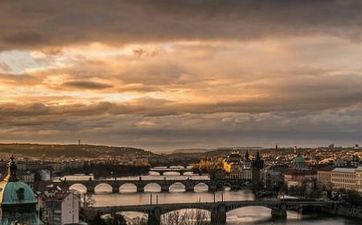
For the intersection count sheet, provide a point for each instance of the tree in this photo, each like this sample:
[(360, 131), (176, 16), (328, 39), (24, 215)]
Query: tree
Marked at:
[(350, 196), (97, 220), (86, 200)]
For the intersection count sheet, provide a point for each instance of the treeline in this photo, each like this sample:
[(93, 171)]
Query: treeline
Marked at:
[(70, 151), (188, 217)]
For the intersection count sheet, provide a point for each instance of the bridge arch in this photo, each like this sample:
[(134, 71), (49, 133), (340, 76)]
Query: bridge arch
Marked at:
[(223, 186), (201, 187), (78, 187), (152, 187), (172, 173), (183, 216), (177, 187), (249, 214), (103, 188), (128, 188), (130, 215), (188, 173), (142, 217), (154, 173)]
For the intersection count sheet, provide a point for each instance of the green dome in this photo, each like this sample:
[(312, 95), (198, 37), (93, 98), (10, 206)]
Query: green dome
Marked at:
[(299, 163), (299, 159), (16, 193), (17, 200)]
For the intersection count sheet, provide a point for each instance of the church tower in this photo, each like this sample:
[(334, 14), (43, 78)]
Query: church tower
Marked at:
[(17, 199), (257, 166)]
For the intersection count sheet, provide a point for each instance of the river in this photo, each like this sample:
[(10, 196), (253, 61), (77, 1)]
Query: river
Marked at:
[(243, 216)]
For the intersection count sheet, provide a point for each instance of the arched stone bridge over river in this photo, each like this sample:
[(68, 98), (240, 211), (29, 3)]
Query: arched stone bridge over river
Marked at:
[(165, 184), (217, 210)]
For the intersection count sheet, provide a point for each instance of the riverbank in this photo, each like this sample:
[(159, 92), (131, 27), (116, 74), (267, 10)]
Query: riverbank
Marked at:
[(347, 211)]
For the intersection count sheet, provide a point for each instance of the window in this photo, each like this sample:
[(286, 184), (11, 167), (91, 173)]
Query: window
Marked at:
[(20, 194)]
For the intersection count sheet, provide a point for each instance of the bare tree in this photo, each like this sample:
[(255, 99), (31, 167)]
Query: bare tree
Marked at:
[(86, 200), (190, 217)]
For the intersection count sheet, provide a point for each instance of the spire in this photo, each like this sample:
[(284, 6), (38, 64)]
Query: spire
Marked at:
[(247, 156), (258, 163), (11, 177)]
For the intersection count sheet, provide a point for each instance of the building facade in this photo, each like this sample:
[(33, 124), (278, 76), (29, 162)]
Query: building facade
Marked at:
[(237, 167), (344, 178), (299, 173), (274, 176), (324, 177), (60, 208)]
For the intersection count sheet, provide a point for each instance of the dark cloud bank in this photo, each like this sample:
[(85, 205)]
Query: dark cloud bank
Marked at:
[(39, 23)]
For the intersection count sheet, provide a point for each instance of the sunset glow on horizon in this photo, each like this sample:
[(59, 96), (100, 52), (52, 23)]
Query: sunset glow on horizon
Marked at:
[(171, 74)]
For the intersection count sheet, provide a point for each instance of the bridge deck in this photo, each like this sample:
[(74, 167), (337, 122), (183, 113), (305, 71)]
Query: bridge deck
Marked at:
[(209, 205)]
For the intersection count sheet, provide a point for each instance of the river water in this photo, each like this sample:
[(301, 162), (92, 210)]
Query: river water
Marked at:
[(243, 216)]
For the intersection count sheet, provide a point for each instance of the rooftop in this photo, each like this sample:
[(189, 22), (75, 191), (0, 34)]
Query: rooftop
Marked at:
[(344, 170)]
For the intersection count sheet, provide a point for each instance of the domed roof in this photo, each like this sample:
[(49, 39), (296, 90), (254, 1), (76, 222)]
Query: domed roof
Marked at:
[(16, 193), (13, 191), (299, 163), (299, 159)]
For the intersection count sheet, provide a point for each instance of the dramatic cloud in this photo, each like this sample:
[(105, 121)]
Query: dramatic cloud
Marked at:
[(167, 74), (42, 23), (86, 85)]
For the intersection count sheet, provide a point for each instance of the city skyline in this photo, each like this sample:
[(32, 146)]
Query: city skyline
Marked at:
[(165, 75)]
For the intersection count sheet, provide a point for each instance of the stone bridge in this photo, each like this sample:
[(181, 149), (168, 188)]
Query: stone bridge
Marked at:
[(161, 171), (165, 184), (217, 210)]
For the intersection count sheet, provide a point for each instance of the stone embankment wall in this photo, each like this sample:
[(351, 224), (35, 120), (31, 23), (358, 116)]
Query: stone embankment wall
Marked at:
[(346, 211)]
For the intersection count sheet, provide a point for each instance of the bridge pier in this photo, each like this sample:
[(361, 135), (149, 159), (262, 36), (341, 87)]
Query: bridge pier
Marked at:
[(140, 188), (154, 216), (235, 187), (218, 215), (90, 189), (165, 188), (115, 189), (212, 188), (189, 188), (279, 213)]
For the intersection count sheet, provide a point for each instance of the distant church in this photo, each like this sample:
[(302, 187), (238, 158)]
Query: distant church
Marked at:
[(238, 167), (18, 201)]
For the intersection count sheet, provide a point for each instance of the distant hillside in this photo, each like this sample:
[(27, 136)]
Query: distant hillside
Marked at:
[(222, 149), (88, 151), (226, 151), (190, 150)]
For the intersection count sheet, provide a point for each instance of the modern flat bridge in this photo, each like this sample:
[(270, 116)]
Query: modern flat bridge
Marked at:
[(217, 210), (165, 184)]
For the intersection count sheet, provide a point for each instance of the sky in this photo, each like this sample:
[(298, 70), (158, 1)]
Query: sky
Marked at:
[(170, 74)]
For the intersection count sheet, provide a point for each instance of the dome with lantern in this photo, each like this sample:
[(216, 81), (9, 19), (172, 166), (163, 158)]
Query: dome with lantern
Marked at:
[(18, 201)]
